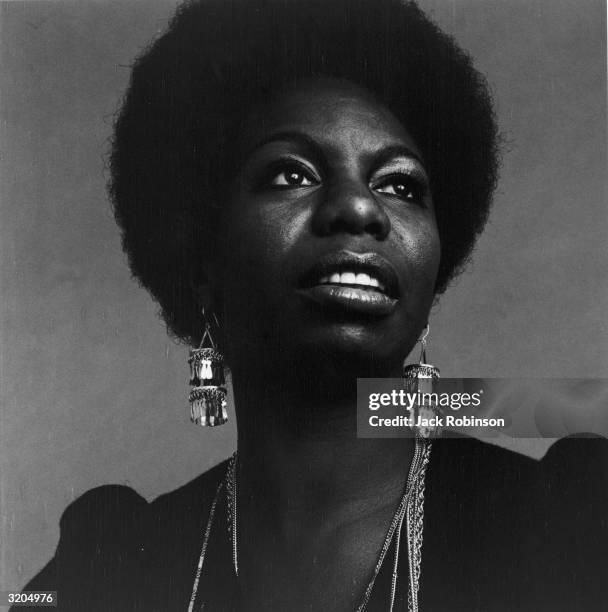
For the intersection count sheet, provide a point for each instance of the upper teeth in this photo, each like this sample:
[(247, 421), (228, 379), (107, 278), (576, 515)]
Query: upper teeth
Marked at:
[(351, 278)]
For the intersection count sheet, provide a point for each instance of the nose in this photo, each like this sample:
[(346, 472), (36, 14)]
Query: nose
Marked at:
[(350, 207)]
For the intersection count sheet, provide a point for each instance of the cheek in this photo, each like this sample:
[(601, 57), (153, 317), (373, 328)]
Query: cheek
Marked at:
[(419, 239), (255, 241), (430, 254)]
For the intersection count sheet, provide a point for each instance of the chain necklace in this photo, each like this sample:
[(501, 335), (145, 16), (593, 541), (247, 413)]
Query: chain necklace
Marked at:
[(410, 510)]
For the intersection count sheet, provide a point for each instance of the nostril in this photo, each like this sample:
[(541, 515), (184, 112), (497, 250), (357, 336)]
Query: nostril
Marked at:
[(339, 225), (375, 229)]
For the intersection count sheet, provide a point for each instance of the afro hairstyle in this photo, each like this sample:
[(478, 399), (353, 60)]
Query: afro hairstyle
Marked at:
[(194, 85)]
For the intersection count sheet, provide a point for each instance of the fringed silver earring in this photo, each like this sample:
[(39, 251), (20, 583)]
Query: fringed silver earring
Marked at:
[(208, 394), (420, 379)]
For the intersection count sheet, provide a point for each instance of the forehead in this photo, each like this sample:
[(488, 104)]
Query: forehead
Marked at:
[(335, 113)]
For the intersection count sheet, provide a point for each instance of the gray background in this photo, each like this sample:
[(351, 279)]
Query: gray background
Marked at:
[(94, 392)]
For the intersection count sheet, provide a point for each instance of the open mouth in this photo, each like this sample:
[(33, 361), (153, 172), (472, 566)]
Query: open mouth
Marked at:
[(353, 279), (364, 283)]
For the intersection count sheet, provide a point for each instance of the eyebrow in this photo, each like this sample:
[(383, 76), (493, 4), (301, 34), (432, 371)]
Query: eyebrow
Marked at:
[(392, 151), (300, 138), (385, 155)]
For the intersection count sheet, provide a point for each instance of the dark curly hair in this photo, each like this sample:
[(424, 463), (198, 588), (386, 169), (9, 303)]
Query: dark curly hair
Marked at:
[(195, 85)]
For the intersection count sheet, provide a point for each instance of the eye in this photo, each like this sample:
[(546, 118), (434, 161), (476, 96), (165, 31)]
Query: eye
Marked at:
[(291, 177), (402, 186), (290, 174)]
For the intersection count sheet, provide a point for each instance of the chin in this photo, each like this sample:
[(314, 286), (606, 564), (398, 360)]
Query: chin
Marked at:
[(350, 351)]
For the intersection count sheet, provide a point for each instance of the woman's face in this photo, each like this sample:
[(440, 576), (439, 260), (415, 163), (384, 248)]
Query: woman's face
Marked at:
[(329, 246)]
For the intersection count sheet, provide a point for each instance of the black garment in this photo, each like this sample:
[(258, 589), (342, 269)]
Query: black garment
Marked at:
[(502, 532)]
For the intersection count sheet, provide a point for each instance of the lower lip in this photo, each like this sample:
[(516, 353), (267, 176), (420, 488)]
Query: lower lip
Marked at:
[(363, 301)]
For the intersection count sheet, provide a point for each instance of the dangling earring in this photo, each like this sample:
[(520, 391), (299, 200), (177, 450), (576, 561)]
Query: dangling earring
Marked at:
[(420, 379), (208, 395)]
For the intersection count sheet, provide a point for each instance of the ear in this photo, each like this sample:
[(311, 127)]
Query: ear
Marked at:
[(202, 277), (206, 288), (204, 295), (207, 292)]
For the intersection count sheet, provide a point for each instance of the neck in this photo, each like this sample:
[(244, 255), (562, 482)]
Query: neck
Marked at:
[(301, 464)]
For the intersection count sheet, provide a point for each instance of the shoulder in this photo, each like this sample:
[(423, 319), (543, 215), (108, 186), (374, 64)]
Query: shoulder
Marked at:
[(583, 460), (533, 532), (574, 461), (99, 544), (569, 485), (174, 520), (110, 508), (190, 498), (111, 541), (175, 523)]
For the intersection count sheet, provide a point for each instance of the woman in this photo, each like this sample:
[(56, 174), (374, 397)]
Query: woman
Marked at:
[(300, 180)]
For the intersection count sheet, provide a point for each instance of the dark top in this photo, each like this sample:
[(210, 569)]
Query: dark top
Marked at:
[(502, 532)]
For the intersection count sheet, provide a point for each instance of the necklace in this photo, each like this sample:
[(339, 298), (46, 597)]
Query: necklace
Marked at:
[(410, 510)]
